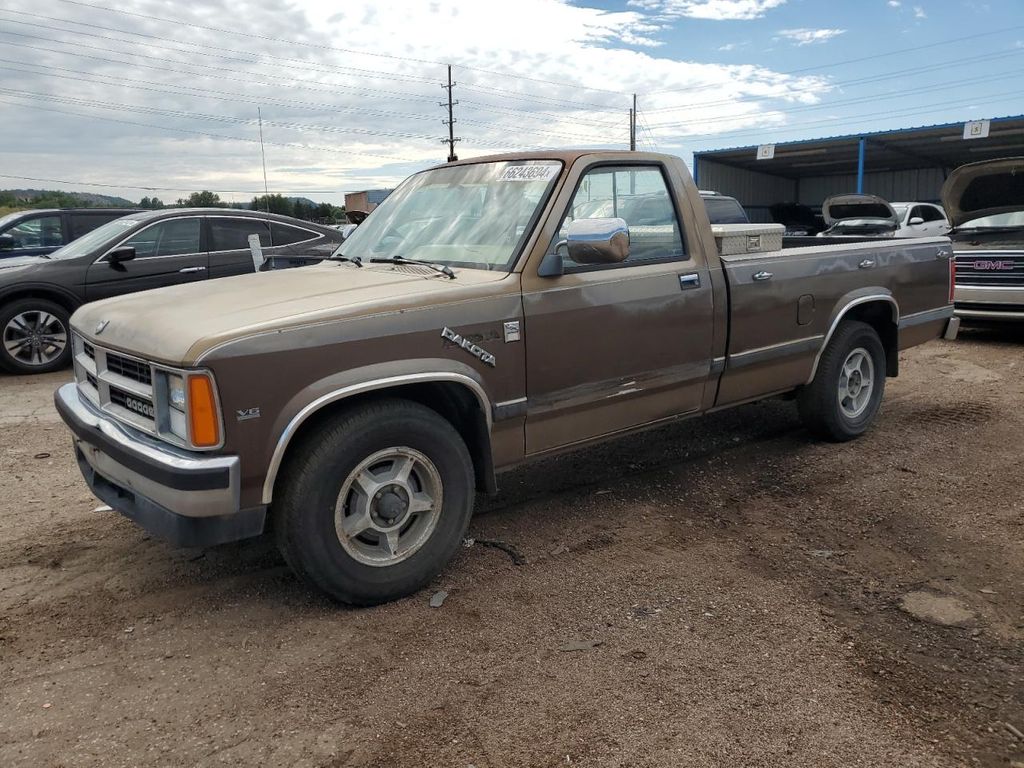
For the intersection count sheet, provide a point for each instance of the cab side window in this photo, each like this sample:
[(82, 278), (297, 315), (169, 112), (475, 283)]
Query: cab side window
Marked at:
[(233, 234), (637, 194), (84, 223), (175, 237), (38, 232), (930, 213)]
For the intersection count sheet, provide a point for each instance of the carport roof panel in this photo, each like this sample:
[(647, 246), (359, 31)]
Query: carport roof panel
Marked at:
[(931, 146)]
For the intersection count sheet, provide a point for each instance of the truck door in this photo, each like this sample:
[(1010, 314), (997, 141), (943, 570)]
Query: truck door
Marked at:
[(616, 346)]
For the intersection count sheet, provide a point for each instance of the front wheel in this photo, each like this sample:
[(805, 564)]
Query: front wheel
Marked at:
[(843, 399), (35, 336), (374, 503)]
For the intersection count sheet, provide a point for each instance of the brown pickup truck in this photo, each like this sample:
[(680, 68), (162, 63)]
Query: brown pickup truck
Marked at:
[(489, 312)]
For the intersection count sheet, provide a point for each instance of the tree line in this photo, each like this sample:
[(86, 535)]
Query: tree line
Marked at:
[(325, 213)]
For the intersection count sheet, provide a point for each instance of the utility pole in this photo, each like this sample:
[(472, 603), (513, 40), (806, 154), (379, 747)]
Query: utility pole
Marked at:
[(450, 122), (632, 126)]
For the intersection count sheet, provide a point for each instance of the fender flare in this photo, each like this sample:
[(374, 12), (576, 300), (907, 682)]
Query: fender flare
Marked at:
[(851, 302), (351, 390)]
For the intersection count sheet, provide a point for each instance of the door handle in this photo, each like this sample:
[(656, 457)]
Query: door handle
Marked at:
[(689, 281), (866, 264), (191, 270), (759, 276)]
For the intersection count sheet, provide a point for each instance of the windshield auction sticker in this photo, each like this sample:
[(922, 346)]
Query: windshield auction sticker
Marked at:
[(530, 173)]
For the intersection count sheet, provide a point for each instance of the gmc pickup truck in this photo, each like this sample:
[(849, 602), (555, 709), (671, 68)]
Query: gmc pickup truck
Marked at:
[(490, 312), (986, 206)]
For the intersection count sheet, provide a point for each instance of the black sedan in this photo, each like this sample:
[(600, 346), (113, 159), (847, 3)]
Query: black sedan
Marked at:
[(145, 250)]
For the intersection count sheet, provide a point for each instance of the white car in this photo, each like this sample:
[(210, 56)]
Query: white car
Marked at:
[(862, 215), (920, 220)]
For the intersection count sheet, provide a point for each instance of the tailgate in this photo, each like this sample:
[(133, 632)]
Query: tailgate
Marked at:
[(782, 305)]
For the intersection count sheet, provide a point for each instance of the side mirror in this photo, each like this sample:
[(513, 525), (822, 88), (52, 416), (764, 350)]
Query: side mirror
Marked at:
[(597, 241), (118, 255), (589, 241), (356, 217), (6, 242), (915, 221)]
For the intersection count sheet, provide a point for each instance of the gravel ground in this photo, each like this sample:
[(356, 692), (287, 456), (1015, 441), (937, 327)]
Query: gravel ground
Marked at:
[(736, 594)]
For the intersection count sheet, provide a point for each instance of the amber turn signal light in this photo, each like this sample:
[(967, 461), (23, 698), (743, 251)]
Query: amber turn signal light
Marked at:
[(204, 426)]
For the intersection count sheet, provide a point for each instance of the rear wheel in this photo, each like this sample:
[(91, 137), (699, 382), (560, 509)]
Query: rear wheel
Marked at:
[(374, 503), (846, 393), (36, 336)]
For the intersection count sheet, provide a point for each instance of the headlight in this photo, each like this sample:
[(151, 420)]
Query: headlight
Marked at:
[(193, 416), (176, 392)]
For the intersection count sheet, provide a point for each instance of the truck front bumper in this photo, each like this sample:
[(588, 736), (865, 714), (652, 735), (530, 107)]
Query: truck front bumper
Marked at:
[(984, 302), (190, 499)]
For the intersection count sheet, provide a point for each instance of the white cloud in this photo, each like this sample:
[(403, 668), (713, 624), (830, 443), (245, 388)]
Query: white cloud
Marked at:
[(919, 12), (343, 88), (809, 36), (894, 3), (719, 10)]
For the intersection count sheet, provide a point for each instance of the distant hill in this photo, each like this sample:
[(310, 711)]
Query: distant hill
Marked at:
[(84, 198)]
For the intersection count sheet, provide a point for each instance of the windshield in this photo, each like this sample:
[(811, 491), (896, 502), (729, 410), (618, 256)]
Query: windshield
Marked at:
[(901, 211), (996, 221), (112, 230), (5, 220), (474, 216)]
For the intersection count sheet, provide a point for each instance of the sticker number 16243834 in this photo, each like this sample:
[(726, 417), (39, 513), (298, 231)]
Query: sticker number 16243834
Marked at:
[(529, 172)]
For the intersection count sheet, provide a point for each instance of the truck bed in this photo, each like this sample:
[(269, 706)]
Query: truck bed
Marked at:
[(783, 304)]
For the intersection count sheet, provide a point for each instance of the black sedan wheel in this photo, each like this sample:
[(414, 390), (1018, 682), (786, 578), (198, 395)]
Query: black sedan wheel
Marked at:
[(36, 336)]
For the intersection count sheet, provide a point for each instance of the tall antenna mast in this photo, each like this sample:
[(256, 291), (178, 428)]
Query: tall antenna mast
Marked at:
[(450, 122), (263, 155)]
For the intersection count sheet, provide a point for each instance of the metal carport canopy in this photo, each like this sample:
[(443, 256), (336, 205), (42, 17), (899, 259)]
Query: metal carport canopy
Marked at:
[(934, 146)]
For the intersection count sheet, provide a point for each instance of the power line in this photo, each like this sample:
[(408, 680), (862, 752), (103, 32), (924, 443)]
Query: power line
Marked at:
[(206, 134), (141, 85), (321, 46), (508, 94), (220, 94), (922, 109), (818, 67), (151, 86), (292, 63), (844, 102), (845, 83), (395, 95), (106, 105)]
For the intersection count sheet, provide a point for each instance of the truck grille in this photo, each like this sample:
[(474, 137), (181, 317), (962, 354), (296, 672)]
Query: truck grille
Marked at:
[(994, 268), (136, 370), (120, 385)]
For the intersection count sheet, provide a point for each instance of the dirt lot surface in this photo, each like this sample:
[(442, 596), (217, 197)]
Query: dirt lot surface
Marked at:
[(736, 595)]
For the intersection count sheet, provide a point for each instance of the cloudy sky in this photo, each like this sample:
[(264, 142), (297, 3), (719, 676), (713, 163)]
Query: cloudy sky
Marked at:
[(164, 95)]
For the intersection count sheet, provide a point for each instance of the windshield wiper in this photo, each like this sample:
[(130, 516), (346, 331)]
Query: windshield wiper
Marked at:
[(353, 259), (444, 269)]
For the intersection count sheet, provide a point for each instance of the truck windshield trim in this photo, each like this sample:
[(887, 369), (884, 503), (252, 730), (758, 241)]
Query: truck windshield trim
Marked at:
[(474, 216)]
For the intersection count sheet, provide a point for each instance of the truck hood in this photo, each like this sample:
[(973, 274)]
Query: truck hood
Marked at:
[(864, 208), (177, 325), (984, 189)]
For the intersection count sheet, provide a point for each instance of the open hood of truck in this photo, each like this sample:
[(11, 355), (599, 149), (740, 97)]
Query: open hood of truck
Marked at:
[(867, 208), (984, 189)]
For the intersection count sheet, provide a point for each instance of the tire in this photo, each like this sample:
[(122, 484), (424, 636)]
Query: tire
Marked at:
[(346, 474), (35, 336), (835, 406)]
